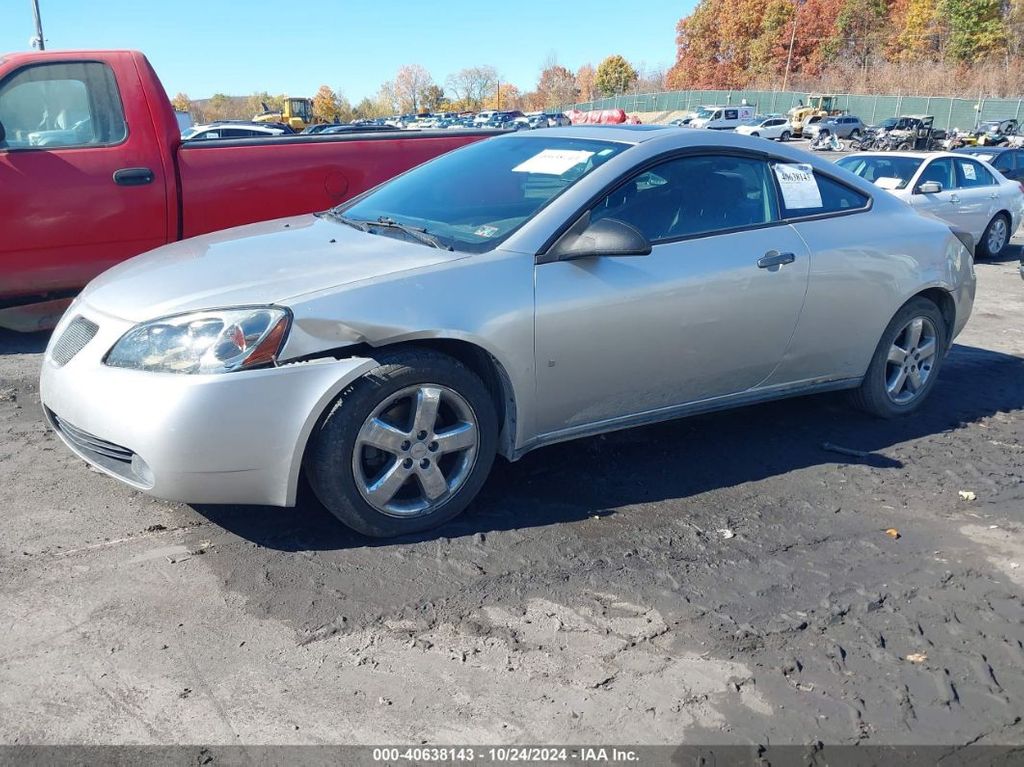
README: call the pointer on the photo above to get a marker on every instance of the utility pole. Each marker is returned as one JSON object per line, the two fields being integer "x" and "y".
{"x": 38, "y": 41}
{"x": 792, "y": 40}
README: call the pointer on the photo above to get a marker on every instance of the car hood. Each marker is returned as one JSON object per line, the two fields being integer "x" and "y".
{"x": 263, "y": 263}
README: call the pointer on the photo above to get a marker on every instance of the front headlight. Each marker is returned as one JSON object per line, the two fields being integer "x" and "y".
{"x": 215, "y": 341}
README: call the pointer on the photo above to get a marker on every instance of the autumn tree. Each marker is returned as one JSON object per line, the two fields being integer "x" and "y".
{"x": 433, "y": 98}
{"x": 614, "y": 75}
{"x": 473, "y": 85}
{"x": 386, "y": 101}
{"x": 181, "y": 103}
{"x": 976, "y": 28}
{"x": 556, "y": 87}
{"x": 325, "y": 105}
{"x": 506, "y": 96}
{"x": 585, "y": 82}
{"x": 409, "y": 83}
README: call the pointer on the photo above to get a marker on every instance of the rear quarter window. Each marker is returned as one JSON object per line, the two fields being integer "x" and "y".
{"x": 814, "y": 194}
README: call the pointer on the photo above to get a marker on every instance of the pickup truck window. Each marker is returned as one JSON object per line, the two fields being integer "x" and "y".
{"x": 61, "y": 106}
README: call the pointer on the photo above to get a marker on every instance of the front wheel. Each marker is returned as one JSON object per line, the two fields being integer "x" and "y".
{"x": 406, "y": 447}
{"x": 995, "y": 237}
{"x": 755, "y": 134}
{"x": 906, "y": 361}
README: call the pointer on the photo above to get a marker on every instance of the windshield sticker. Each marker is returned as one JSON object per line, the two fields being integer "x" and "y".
{"x": 799, "y": 189}
{"x": 553, "y": 162}
{"x": 888, "y": 182}
{"x": 969, "y": 171}
{"x": 486, "y": 231}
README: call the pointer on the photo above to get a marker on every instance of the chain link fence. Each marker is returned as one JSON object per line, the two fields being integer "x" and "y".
{"x": 948, "y": 112}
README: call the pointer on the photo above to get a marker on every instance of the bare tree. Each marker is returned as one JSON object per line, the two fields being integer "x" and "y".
{"x": 473, "y": 85}
{"x": 410, "y": 82}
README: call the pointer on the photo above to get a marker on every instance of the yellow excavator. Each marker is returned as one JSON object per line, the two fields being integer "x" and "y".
{"x": 297, "y": 114}
{"x": 817, "y": 106}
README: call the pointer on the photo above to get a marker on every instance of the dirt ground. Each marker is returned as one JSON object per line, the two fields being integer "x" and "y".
{"x": 589, "y": 596}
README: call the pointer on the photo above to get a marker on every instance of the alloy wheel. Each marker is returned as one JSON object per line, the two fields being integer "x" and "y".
{"x": 911, "y": 360}
{"x": 415, "y": 450}
{"x": 997, "y": 231}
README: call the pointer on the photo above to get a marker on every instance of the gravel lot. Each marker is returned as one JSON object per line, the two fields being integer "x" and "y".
{"x": 588, "y": 596}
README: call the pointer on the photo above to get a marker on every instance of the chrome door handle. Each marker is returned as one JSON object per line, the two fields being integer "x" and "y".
{"x": 954, "y": 199}
{"x": 774, "y": 258}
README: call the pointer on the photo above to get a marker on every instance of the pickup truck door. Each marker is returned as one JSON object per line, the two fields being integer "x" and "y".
{"x": 82, "y": 182}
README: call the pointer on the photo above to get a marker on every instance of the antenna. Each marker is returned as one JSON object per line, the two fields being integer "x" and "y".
{"x": 38, "y": 41}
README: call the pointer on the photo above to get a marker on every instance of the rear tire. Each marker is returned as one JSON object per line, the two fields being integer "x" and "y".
{"x": 906, "y": 362}
{"x": 995, "y": 237}
{"x": 785, "y": 136}
{"x": 406, "y": 447}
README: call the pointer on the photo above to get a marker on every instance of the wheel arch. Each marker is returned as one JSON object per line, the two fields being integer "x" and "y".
{"x": 947, "y": 307}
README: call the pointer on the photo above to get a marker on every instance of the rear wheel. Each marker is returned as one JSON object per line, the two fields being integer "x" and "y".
{"x": 405, "y": 448}
{"x": 785, "y": 136}
{"x": 995, "y": 237}
{"x": 906, "y": 362}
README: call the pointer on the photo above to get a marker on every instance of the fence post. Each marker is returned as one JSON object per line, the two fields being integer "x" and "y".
{"x": 949, "y": 121}
{"x": 1017, "y": 115}
{"x": 874, "y": 109}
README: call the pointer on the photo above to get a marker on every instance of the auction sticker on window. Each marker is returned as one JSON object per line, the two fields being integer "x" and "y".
{"x": 553, "y": 162}
{"x": 969, "y": 171}
{"x": 799, "y": 189}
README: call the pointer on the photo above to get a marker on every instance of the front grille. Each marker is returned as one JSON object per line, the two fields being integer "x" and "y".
{"x": 74, "y": 338}
{"x": 89, "y": 443}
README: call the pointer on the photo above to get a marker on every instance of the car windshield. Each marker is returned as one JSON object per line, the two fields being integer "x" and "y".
{"x": 187, "y": 134}
{"x": 704, "y": 112}
{"x": 887, "y": 172}
{"x": 990, "y": 127}
{"x": 475, "y": 197}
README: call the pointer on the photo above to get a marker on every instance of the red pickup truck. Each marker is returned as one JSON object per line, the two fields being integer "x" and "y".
{"x": 93, "y": 171}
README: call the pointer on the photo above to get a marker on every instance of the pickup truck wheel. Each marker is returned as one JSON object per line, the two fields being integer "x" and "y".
{"x": 906, "y": 362}
{"x": 405, "y": 448}
{"x": 995, "y": 237}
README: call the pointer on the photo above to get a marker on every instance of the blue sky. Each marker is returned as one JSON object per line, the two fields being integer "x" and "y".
{"x": 241, "y": 46}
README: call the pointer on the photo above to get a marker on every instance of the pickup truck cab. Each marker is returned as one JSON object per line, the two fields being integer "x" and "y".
{"x": 93, "y": 171}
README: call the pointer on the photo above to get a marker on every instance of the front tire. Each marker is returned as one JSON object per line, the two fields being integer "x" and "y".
{"x": 405, "y": 448}
{"x": 995, "y": 237}
{"x": 906, "y": 361}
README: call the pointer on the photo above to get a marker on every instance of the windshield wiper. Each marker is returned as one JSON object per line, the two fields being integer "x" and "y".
{"x": 362, "y": 226}
{"x": 416, "y": 232}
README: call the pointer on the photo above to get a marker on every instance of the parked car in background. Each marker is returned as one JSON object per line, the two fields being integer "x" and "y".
{"x": 530, "y": 289}
{"x": 235, "y": 129}
{"x": 721, "y": 117}
{"x": 963, "y": 190}
{"x": 312, "y": 130}
{"x": 333, "y": 130}
{"x": 1009, "y": 162}
{"x": 121, "y": 181}
{"x": 484, "y": 116}
{"x": 843, "y": 126}
{"x": 767, "y": 127}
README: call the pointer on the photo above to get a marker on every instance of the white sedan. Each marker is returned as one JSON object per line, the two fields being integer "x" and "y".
{"x": 767, "y": 127}
{"x": 961, "y": 190}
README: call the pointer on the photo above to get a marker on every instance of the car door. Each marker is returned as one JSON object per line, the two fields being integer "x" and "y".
{"x": 978, "y": 192}
{"x": 772, "y": 128}
{"x": 81, "y": 187}
{"x": 944, "y": 204}
{"x": 708, "y": 313}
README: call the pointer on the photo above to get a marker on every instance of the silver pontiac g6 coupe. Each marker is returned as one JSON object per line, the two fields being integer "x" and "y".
{"x": 520, "y": 291}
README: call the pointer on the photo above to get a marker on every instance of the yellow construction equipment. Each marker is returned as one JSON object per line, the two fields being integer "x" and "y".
{"x": 817, "y": 106}
{"x": 297, "y": 113}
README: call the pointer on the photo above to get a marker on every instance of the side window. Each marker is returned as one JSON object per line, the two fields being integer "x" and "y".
{"x": 972, "y": 174}
{"x": 806, "y": 192}
{"x": 62, "y": 106}
{"x": 730, "y": 114}
{"x": 1003, "y": 161}
{"x": 692, "y": 196}
{"x": 940, "y": 170}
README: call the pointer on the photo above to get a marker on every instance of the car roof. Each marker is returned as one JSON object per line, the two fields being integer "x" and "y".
{"x": 986, "y": 149}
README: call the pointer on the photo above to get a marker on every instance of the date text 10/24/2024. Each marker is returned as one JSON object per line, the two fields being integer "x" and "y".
{"x": 503, "y": 754}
